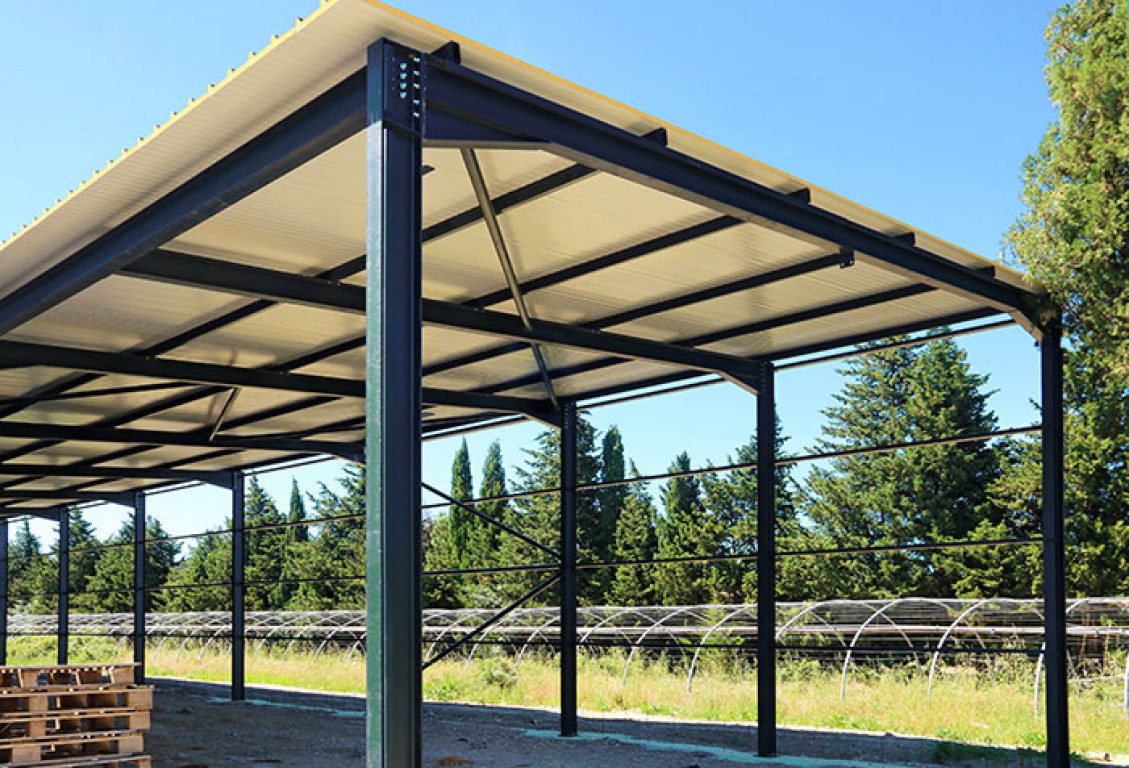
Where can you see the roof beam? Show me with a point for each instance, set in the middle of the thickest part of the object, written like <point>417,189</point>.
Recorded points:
<point>22,430</point>
<point>454,88</point>
<point>280,286</point>
<point>74,358</point>
<point>324,122</point>
<point>491,323</point>
<point>33,494</point>
<point>666,305</point>
<point>539,410</point>
<point>222,479</point>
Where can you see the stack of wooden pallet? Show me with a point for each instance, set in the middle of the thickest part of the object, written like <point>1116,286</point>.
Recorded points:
<point>73,716</point>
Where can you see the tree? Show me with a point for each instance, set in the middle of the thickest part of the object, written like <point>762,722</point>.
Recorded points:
<point>209,562</point>
<point>922,494</point>
<point>1074,238</point>
<point>297,532</point>
<point>266,550</point>
<point>634,540</point>
<point>686,529</point>
<point>539,516</point>
<point>111,584</point>
<point>462,523</point>
<point>28,572</point>
<point>612,498</point>
<point>84,557</point>
<point>331,565</point>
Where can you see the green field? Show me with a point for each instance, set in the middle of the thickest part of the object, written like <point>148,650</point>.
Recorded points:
<point>968,705</point>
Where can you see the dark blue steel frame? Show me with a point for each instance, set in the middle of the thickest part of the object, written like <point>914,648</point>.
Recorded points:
<point>405,100</point>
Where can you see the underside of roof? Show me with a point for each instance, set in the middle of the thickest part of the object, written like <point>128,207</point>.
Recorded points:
<point>237,338</point>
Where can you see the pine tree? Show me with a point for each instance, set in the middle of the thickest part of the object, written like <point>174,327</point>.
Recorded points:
<point>921,494</point>
<point>84,559</point>
<point>1074,238</point>
<point>111,583</point>
<point>209,562</point>
<point>266,550</point>
<point>539,516</point>
<point>331,565</point>
<point>686,529</point>
<point>26,566</point>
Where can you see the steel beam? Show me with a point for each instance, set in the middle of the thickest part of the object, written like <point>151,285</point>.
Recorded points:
<point>63,628</point>
<point>97,361</point>
<point>657,307</point>
<point>323,123</point>
<point>221,479</point>
<point>1054,546</point>
<point>394,401</point>
<point>490,218</point>
<point>568,483</point>
<point>32,431</point>
<point>766,564</point>
<point>140,531</point>
<point>238,577</point>
<point>459,90</point>
<point>279,286</point>
<point>509,326</point>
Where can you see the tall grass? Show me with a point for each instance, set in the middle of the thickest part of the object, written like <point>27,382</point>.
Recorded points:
<point>990,706</point>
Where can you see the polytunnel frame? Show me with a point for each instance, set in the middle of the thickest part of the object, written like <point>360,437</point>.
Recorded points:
<point>403,99</point>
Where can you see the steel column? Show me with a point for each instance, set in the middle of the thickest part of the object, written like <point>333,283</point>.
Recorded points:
<point>238,576</point>
<point>1054,559</point>
<point>766,564</point>
<point>393,407</point>
<point>568,568</point>
<point>140,524</point>
<point>63,631</point>
<point>4,591</point>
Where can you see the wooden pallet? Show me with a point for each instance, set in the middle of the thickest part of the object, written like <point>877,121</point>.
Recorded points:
<point>65,721</point>
<point>30,750</point>
<point>70,674</point>
<point>47,698</point>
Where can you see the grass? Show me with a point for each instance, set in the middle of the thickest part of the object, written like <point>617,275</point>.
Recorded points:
<point>970,709</point>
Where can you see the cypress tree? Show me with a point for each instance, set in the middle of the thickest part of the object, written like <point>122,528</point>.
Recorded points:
<point>462,523</point>
<point>685,529</point>
<point>612,498</point>
<point>297,533</point>
<point>635,539</point>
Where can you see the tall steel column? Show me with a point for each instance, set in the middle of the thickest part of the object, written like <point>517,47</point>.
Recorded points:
<point>140,525</point>
<point>63,631</point>
<point>4,591</point>
<point>393,406</point>
<point>238,569</point>
<point>1054,546</point>
<point>766,564</point>
<point>568,569</point>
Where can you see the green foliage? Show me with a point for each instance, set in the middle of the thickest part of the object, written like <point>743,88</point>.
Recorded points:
<point>685,529</point>
<point>932,493</point>
<point>1074,238</point>
<point>111,583</point>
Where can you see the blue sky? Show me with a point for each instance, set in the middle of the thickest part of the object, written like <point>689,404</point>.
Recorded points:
<point>923,111</point>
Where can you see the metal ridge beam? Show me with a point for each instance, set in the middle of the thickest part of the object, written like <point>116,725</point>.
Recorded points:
<point>452,87</point>
<point>74,358</point>
<point>323,123</point>
<point>22,430</point>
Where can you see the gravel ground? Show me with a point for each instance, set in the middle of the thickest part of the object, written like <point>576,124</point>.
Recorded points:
<point>194,727</point>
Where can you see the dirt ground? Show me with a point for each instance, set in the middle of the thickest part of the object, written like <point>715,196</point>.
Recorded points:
<point>194,727</point>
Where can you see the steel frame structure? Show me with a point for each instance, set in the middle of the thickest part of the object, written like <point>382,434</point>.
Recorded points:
<point>402,101</point>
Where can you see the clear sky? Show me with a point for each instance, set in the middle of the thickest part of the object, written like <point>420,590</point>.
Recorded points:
<point>923,111</point>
